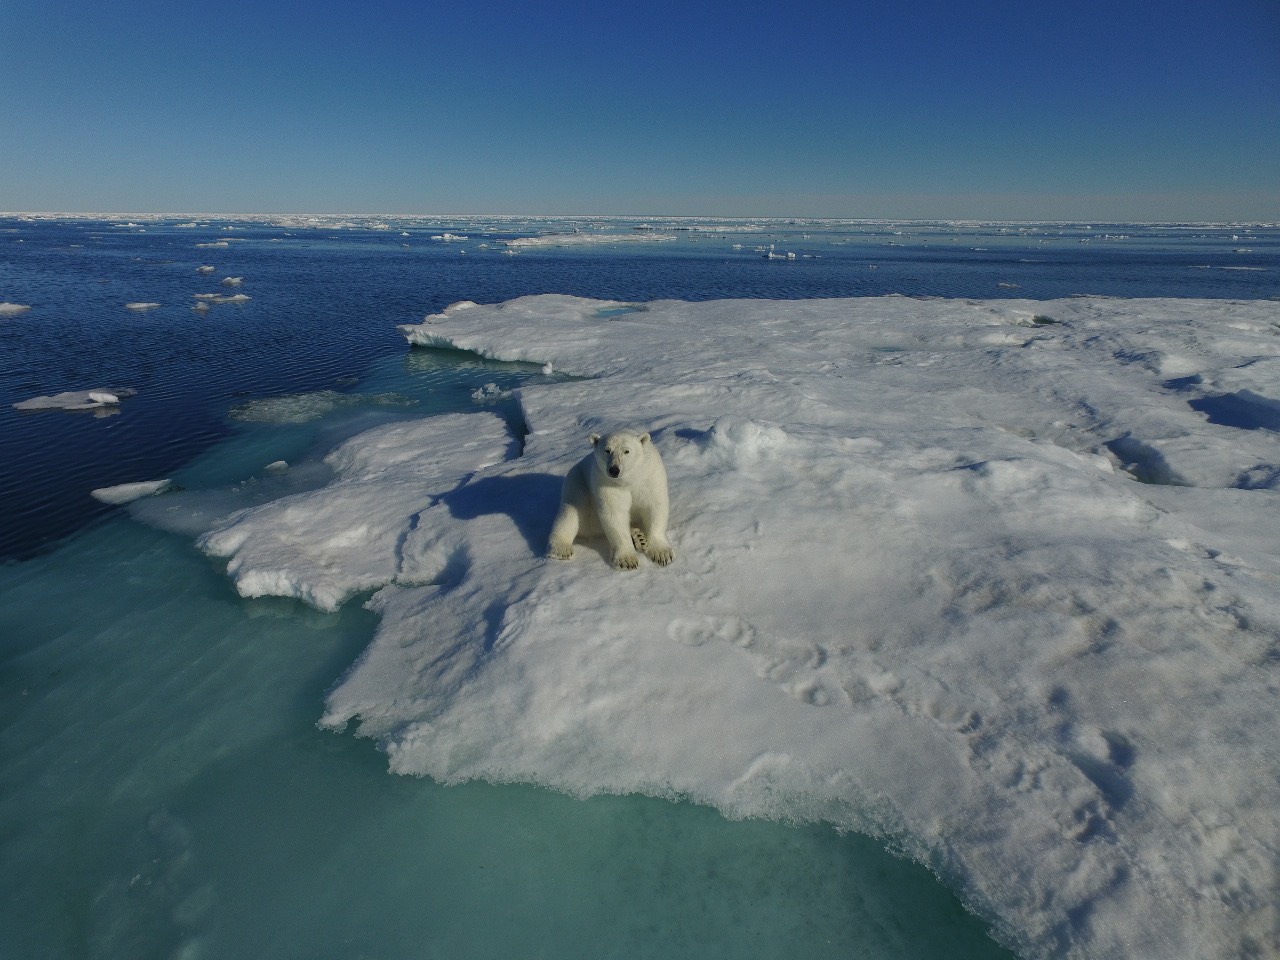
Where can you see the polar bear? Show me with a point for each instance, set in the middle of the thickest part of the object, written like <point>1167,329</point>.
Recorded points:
<point>620,489</point>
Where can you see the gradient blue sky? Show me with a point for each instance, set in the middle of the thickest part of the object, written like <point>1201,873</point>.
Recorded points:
<point>1009,109</point>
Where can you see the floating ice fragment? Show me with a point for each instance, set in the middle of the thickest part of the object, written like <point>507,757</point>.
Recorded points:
<point>204,269</point>
<point>208,298</point>
<point>232,281</point>
<point>75,400</point>
<point>141,306</point>
<point>13,309</point>
<point>125,492</point>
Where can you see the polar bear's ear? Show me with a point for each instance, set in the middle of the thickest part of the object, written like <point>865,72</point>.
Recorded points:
<point>644,438</point>
<point>595,438</point>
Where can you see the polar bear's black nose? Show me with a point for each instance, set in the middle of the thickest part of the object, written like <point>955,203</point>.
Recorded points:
<point>614,471</point>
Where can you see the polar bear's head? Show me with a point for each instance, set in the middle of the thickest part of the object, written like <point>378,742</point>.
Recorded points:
<point>621,452</point>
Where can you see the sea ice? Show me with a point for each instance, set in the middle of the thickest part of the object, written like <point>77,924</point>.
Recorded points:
<point>585,239</point>
<point>988,579</point>
<point>75,400</point>
<point>207,298</point>
<point>127,492</point>
<point>8,309</point>
<point>141,306</point>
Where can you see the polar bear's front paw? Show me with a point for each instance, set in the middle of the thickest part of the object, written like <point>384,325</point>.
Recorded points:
<point>661,555</point>
<point>560,551</point>
<point>626,560</point>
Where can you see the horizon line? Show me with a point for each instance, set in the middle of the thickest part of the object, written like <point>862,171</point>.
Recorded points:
<point>113,214</point>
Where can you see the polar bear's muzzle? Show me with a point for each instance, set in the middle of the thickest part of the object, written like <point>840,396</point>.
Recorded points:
<point>614,471</point>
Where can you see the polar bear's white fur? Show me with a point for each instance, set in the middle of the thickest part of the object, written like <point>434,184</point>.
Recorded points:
<point>620,489</point>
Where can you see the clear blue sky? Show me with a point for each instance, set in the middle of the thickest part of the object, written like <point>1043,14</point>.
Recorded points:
<point>1071,109</point>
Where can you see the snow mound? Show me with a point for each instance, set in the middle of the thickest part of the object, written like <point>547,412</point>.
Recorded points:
<point>990,587</point>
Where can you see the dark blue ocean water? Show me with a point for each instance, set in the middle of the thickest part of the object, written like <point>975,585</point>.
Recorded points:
<point>325,297</point>
<point>167,793</point>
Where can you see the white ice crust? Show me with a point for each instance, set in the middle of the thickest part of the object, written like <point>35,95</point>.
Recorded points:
<point>918,591</point>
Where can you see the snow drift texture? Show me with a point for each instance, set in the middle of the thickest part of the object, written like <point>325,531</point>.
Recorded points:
<point>995,580</point>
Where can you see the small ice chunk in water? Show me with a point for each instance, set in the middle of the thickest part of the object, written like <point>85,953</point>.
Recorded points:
<point>204,269</point>
<point>8,309</point>
<point>232,281</point>
<point>141,306</point>
<point>75,400</point>
<point>125,492</point>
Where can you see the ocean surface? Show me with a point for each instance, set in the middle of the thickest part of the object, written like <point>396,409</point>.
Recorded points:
<point>167,792</point>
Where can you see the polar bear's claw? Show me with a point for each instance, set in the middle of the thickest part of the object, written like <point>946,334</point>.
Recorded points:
<point>640,540</point>
<point>626,561</point>
<point>561,553</point>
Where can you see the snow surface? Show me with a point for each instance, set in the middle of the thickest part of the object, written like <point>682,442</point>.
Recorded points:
<point>919,590</point>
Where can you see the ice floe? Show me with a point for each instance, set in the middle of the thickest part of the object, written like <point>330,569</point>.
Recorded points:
<point>8,309</point>
<point>76,400</point>
<point>207,298</point>
<point>128,492</point>
<point>996,580</point>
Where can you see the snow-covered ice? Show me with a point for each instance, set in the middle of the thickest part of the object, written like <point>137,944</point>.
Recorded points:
<point>996,580</point>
